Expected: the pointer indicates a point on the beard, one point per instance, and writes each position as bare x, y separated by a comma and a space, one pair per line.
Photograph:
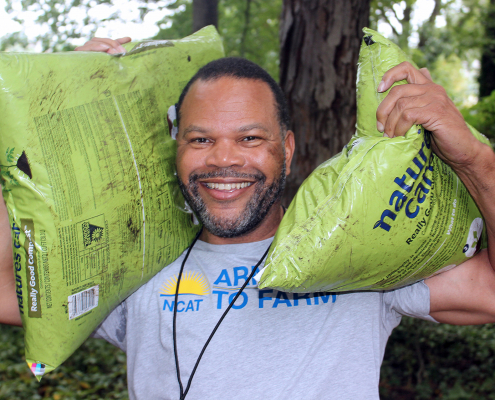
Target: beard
256, 209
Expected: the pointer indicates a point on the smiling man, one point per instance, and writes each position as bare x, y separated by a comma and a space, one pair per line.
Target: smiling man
234, 151
232, 154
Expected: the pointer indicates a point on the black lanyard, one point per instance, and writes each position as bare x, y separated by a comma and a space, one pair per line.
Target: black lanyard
183, 392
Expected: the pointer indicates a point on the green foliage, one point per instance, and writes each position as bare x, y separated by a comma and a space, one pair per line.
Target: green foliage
57, 28
61, 23
249, 29
482, 116
386, 11
180, 24
448, 51
462, 34
429, 361
450, 74
96, 371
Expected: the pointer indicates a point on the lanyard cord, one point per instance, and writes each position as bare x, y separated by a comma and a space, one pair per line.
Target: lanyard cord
183, 392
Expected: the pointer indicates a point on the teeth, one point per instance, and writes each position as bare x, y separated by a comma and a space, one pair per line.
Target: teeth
227, 186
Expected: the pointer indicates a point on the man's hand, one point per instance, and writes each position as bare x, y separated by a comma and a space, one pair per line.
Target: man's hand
465, 294
425, 103
104, 45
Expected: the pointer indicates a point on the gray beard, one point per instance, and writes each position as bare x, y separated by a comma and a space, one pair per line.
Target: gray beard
256, 209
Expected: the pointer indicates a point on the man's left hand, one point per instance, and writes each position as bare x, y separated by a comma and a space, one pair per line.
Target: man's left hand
423, 102
465, 294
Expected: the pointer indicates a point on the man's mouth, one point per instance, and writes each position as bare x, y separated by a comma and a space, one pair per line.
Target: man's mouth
227, 186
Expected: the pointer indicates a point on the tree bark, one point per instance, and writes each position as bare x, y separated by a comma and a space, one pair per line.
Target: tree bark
487, 71
205, 12
320, 41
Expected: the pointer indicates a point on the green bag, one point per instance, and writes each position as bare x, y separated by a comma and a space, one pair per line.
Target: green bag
88, 176
382, 214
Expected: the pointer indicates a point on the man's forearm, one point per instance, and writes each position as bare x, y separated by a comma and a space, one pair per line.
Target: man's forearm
479, 178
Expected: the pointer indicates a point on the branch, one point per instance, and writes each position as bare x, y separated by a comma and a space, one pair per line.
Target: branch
395, 13
429, 24
388, 21
435, 12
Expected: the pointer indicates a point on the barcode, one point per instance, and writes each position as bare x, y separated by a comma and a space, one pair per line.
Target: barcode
82, 302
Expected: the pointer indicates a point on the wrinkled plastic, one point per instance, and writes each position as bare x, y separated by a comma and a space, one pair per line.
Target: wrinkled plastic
382, 214
88, 176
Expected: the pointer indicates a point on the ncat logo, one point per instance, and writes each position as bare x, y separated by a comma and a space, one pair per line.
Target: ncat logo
192, 284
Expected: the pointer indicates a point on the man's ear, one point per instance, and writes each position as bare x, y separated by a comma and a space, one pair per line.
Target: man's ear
290, 147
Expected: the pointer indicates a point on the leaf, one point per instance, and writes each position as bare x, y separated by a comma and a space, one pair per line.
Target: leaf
10, 155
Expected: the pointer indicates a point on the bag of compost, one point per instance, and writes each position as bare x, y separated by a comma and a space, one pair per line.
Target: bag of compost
88, 176
382, 214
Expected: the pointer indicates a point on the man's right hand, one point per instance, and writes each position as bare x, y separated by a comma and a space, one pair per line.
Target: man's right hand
105, 45
9, 310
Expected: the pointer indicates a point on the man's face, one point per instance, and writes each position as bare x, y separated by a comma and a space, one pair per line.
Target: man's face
231, 158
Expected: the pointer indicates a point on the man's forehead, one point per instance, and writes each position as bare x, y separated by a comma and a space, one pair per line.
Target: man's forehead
231, 92
228, 84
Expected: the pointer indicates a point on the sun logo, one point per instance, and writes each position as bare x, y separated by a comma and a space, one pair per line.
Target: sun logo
190, 283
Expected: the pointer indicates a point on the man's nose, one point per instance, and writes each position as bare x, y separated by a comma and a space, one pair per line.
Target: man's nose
225, 154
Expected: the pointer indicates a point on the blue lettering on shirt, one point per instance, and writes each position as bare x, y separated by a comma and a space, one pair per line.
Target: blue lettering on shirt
240, 273
324, 297
181, 305
240, 276
223, 278
262, 298
244, 300
190, 306
298, 296
267, 298
219, 294
278, 300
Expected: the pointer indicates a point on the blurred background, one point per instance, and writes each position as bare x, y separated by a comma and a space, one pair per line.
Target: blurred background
311, 48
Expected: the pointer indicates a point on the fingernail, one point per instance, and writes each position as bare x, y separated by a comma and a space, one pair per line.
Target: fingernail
112, 51
381, 86
379, 126
385, 135
121, 49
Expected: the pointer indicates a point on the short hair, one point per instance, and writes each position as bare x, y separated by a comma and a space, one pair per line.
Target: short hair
239, 68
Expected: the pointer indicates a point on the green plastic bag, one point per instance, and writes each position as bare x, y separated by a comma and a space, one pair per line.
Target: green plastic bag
88, 176
382, 214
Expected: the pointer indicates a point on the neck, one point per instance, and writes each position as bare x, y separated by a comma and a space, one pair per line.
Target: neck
263, 231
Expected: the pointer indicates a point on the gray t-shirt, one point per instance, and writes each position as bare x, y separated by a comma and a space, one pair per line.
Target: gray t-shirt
272, 345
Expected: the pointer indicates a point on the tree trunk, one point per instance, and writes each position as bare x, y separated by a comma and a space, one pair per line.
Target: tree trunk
205, 12
487, 72
320, 41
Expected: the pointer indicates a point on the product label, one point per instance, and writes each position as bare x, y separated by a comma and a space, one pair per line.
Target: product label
32, 277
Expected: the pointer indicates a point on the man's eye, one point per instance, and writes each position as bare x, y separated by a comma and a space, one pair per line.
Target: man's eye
250, 138
200, 140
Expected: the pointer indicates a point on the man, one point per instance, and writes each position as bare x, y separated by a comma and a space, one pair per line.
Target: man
234, 150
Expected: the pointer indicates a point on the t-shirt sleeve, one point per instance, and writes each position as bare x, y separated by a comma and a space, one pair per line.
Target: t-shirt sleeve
114, 327
412, 300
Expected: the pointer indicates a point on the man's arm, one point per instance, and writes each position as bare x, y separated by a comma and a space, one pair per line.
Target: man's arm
9, 311
465, 294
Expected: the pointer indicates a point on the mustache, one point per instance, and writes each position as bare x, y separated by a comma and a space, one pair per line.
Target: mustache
227, 173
